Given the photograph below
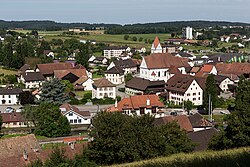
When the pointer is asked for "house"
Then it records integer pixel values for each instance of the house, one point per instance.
(49, 53)
(185, 55)
(182, 88)
(9, 96)
(103, 88)
(128, 65)
(223, 82)
(14, 120)
(234, 69)
(156, 46)
(206, 70)
(227, 57)
(115, 75)
(169, 48)
(157, 66)
(115, 51)
(143, 86)
(75, 116)
(139, 105)
(199, 122)
(29, 77)
(94, 61)
(202, 138)
(194, 70)
(181, 120)
(47, 70)
(175, 41)
(225, 38)
(80, 78)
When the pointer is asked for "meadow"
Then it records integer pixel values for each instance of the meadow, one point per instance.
(227, 158)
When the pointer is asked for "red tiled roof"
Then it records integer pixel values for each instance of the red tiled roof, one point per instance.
(135, 102)
(204, 70)
(49, 68)
(12, 117)
(103, 82)
(182, 121)
(233, 68)
(69, 107)
(165, 60)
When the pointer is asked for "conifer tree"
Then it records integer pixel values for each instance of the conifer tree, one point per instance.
(212, 91)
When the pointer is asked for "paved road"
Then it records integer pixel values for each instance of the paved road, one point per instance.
(121, 94)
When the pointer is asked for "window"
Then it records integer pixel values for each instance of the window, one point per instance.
(199, 93)
(3, 96)
(110, 94)
(79, 121)
(14, 123)
(194, 99)
(165, 73)
(188, 94)
(20, 123)
(194, 94)
(110, 88)
(142, 111)
(153, 109)
(75, 120)
(9, 101)
(100, 94)
(9, 96)
(70, 114)
(199, 98)
(159, 74)
(71, 121)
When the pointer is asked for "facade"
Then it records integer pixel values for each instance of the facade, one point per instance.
(223, 82)
(31, 79)
(75, 116)
(157, 66)
(103, 88)
(10, 96)
(138, 105)
(188, 32)
(114, 51)
(115, 75)
(143, 86)
(182, 88)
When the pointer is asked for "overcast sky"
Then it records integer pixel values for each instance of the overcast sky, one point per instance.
(125, 11)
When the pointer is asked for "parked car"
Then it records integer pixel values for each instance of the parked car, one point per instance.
(9, 109)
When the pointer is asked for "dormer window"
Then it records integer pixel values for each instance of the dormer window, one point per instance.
(70, 114)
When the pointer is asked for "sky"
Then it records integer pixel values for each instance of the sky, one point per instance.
(125, 11)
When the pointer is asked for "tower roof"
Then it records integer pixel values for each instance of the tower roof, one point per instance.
(156, 42)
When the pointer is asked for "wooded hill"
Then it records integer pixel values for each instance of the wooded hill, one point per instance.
(145, 28)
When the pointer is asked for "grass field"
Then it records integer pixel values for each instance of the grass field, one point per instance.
(7, 72)
(230, 158)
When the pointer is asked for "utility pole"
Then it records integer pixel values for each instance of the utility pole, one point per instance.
(209, 106)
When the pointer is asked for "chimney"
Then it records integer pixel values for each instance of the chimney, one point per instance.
(25, 155)
(148, 102)
(116, 103)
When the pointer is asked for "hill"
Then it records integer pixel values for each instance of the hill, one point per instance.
(233, 157)
(146, 28)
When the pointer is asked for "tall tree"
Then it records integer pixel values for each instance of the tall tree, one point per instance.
(53, 91)
(47, 119)
(84, 55)
(211, 90)
(8, 55)
(237, 131)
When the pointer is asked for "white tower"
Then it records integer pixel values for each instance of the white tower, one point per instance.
(189, 33)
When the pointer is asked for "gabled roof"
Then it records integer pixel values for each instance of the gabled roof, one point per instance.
(142, 84)
(135, 102)
(181, 120)
(24, 68)
(115, 70)
(156, 42)
(202, 138)
(127, 63)
(199, 121)
(220, 78)
(174, 70)
(204, 70)
(10, 91)
(195, 69)
(49, 68)
(165, 60)
(33, 76)
(12, 117)
(103, 82)
(184, 54)
(179, 83)
(77, 72)
(70, 108)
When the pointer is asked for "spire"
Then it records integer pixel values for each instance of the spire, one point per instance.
(156, 42)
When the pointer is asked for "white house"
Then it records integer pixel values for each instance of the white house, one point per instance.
(207, 69)
(127, 65)
(31, 79)
(75, 116)
(14, 120)
(182, 88)
(157, 66)
(103, 88)
(9, 96)
(115, 51)
(185, 55)
(115, 75)
(94, 61)
(156, 46)
(225, 39)
(223, 82)
(139, 105)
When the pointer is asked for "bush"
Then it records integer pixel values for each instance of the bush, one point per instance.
(103, 101)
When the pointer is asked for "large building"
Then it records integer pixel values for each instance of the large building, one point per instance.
(103, 88)
(115, 51)
(158, 66)
(188, 32)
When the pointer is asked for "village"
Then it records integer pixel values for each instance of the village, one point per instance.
(194, 88)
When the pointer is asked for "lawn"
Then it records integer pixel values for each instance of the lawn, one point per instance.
(217, 118)
(7, 72)
(11, 135)
(95, 75)
(82, 93)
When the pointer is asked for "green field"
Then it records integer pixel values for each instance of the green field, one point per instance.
(234, 157)
(105, 38)
(7, 72)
